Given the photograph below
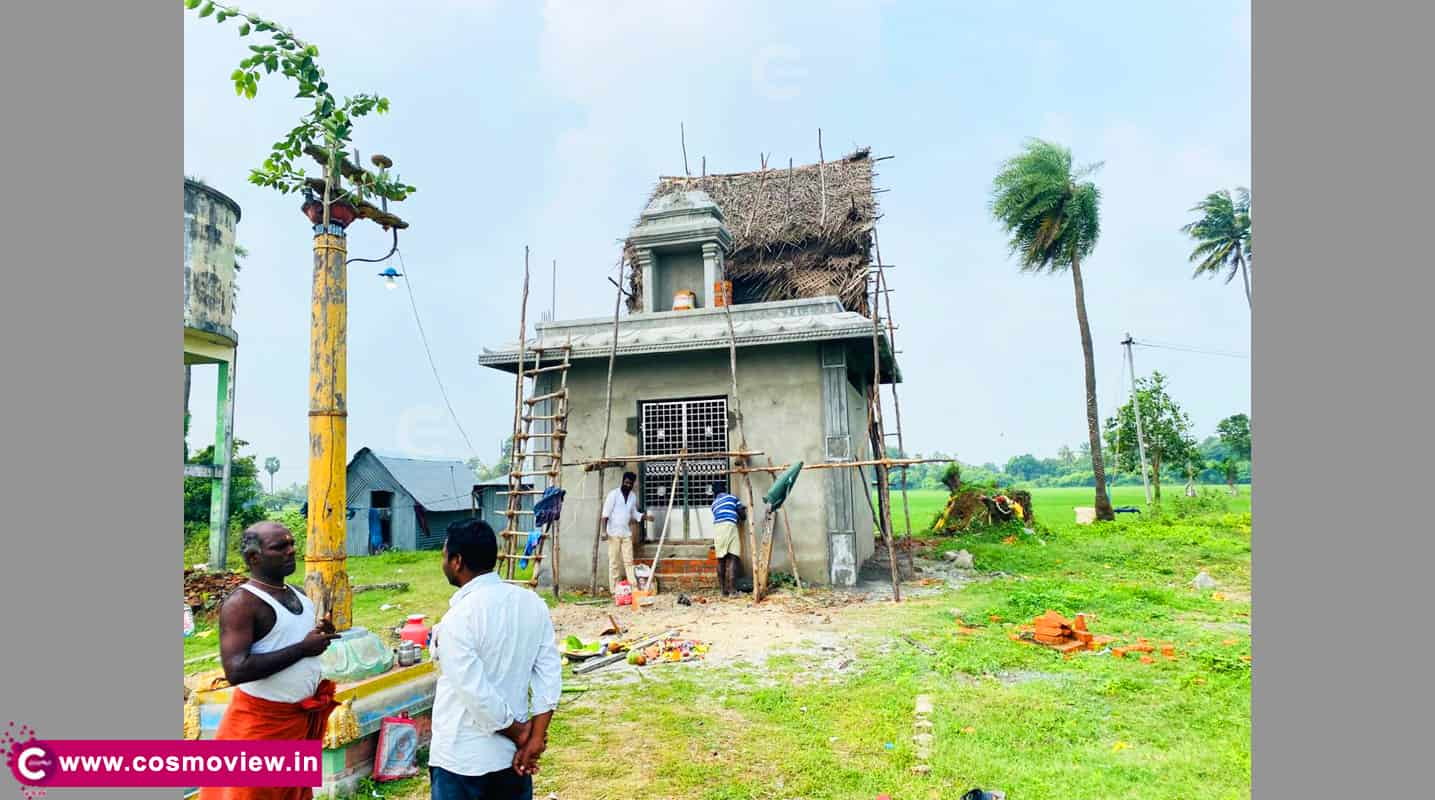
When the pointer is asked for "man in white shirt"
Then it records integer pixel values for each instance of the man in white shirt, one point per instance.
(620, 510)
(493, 645)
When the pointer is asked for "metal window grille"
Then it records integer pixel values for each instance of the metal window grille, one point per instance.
(667, 427)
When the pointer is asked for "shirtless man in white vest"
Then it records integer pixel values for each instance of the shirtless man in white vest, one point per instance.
(269, 646)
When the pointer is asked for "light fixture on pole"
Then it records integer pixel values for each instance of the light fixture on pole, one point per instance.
(389, 276)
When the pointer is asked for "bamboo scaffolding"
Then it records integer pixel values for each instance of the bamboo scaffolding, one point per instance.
(621, 461)
(607, 424)
(759, 580)
(870, 462)
(667, 520)
(515, 466)
(886, 295)
(879, 446)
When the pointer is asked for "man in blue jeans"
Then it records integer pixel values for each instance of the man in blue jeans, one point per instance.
(493, 645)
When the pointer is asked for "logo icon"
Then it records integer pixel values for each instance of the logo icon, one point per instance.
(30, 761)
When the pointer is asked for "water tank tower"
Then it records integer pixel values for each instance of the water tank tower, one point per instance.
(210, 219)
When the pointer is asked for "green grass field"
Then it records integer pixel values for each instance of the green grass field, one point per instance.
(1052, 505)
(1009, 715)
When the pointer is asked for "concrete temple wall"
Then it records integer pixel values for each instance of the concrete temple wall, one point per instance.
(782, 403)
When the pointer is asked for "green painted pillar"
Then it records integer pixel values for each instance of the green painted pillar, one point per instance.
(219, 484)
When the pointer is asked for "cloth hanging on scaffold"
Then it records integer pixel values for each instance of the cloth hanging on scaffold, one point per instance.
(781, 487)
(549, 507)
(530, 545)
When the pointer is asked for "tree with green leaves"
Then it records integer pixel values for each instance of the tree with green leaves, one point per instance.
(1232, 471)
(271, 466)
(1223, 236)
(327, 128)
(498, 470)
(1052, 216)
(1165, 429)
(1066, 456)
(244, 489)
(1235, 433)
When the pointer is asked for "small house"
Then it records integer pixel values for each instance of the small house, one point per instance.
(408, 503)
(795, 246)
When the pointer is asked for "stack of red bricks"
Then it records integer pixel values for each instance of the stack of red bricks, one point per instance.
(685, 573)
(1066, 636)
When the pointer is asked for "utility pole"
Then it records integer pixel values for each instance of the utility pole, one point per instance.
(1136, 411)
(326, 579)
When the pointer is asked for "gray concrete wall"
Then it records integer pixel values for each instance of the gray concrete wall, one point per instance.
(782, 406)
(862, 520)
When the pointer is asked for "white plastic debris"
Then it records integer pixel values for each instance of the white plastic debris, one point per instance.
(1203, 581)
(960, 559)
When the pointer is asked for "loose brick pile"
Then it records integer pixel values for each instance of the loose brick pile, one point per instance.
(204, 591)
(1070, 636)
(1061, 634)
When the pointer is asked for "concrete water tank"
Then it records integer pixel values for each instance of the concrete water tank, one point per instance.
(209, 222)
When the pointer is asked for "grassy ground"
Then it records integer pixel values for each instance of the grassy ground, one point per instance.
(1008, 715)
(1052, 505)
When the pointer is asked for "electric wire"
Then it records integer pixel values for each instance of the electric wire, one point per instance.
(1186, 349)
(408, 285)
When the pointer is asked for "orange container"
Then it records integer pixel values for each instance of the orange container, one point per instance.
(722, 294)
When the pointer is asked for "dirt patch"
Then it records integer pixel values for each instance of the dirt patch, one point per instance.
(820, 626)
(736, 629)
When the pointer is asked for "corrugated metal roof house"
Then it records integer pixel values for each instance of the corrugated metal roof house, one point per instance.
(408, 503)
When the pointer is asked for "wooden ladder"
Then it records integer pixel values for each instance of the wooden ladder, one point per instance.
(519, 520)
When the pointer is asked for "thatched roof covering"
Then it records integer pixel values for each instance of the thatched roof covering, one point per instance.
(786, 245)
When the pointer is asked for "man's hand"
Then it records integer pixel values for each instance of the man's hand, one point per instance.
(525, 761)
(647, 516)
(317, 640)
(517, 733)
(326, 623)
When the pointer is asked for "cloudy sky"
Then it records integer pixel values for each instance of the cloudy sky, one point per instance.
(546, 125)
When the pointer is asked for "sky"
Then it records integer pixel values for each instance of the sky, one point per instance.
(547, 124)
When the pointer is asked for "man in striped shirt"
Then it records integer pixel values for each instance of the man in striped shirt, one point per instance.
(727, 510)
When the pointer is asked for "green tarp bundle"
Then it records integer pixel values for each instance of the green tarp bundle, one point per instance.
(781, 487)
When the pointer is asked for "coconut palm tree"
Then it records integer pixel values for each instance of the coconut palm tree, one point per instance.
(271, 466)
(1223, 236)
(1052, 216)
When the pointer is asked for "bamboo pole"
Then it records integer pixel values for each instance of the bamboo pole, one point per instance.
(822, 179)
(617, 461)
(757, 587)
(871, 462)
(886, 296)
(879, 448)
(667, 520)
(607, 424)
(557, 441)
(515, 457)
(791, 552)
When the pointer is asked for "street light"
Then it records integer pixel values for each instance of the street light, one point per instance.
(389, 275)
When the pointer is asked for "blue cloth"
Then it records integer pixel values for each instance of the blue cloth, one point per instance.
(376, 531)
(725, 508)
(530, 545)
(549, 506)
(505, 784)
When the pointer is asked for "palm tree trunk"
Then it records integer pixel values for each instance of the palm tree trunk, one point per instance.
(1093, 424)
(1156, 474)
(1245, 278)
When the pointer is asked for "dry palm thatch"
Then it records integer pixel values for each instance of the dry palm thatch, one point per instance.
(787, 242)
